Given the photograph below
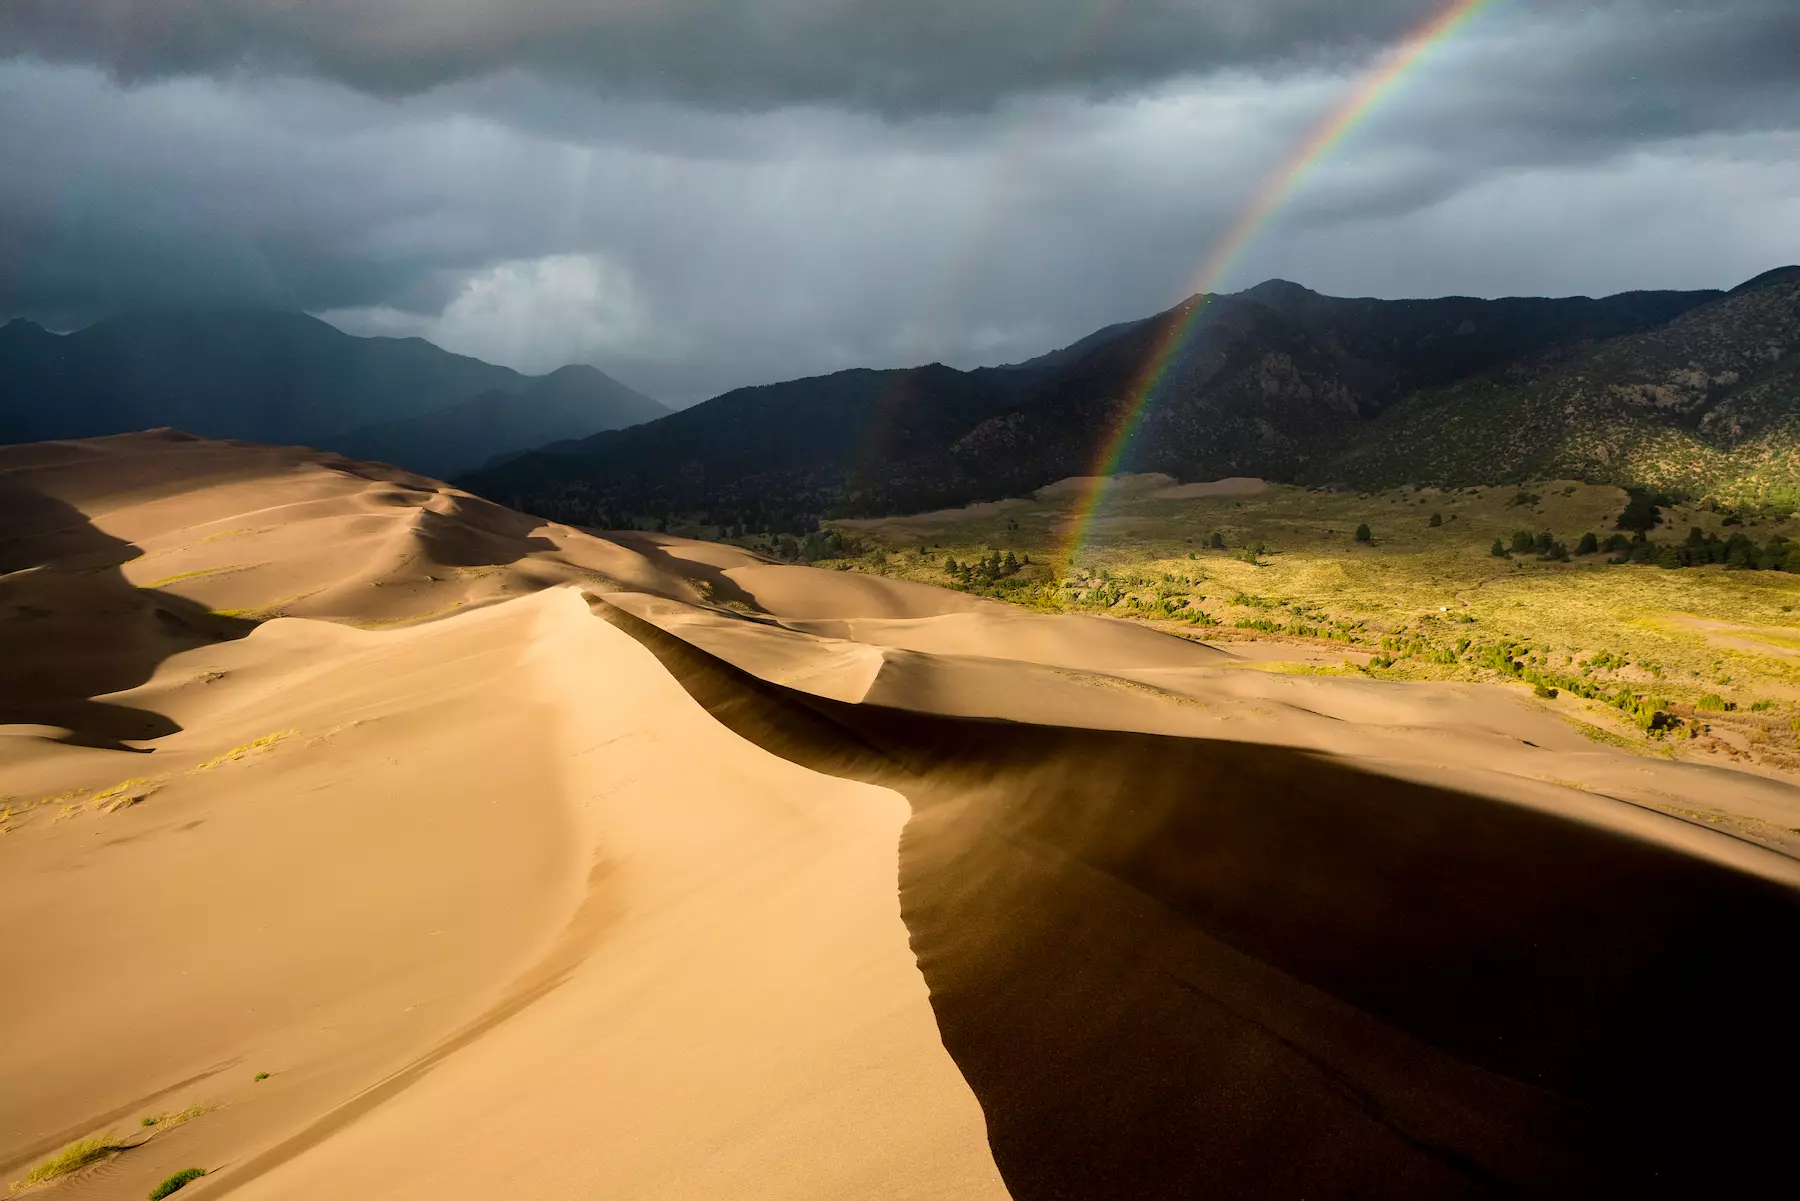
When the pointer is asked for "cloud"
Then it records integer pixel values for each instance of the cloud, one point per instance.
(872, 55)
(912, 56)
(535, 315)
(532, 213)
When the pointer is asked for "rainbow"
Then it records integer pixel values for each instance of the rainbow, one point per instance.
(1281, 185)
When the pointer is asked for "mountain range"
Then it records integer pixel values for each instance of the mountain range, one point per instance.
(1695, 393)
(287, 378)
(1692, 394)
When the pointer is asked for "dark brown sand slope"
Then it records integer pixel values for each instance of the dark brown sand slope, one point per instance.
(1185, 968)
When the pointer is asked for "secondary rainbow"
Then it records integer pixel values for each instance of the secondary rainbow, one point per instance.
(1280, 186)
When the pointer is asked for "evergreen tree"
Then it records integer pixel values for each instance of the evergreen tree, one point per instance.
(1499, 550)
(1522, 542)
(1217, 541)
(1437, 519)
(1588, 544)
(1364, 534)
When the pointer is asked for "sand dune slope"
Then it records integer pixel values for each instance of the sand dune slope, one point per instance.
(496, 906)
(1175, 967)
(531, 862)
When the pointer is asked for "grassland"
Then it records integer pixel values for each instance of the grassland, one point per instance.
(1715, 651)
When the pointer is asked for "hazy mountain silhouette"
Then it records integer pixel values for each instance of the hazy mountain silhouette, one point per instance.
(1278, 381)
(570, 402)
(281, 377)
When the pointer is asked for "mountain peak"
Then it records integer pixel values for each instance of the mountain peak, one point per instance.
(1278, 288)
(575, 371)
(1779, 275)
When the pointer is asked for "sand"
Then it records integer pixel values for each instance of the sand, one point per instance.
(538, 862)
(1236, 485)
(499, 909)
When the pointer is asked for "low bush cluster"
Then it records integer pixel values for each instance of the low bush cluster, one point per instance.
(1739, 552)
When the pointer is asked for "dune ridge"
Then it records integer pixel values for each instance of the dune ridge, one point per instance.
(535, 861)
(1335, 985)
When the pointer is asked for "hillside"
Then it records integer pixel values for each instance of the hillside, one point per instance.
(287, 378)
(1277, 381)
(1708, 405)
(571, 402)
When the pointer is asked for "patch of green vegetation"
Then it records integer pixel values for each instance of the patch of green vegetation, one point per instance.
(175, 1183)
(1426, 603)
(73, 1158)
(260, 1077)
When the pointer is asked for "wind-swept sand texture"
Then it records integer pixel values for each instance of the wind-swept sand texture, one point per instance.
(536, 863)
(500, 909)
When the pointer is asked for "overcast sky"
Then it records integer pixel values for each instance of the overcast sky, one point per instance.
(695, 195)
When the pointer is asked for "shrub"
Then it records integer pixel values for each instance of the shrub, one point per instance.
(1712, 702)
(1437, 519)
(179, 1180)
(72, 1158)
(1588, 545)
(1217, 541)
(1522, 542)
(1364, 534)
(1545, 691)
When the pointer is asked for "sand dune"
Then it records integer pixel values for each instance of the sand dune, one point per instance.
(533, 862)
(500, 842)
(1176, 967)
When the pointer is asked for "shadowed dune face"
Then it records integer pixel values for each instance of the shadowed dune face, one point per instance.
(1180, 967)
(74, 628)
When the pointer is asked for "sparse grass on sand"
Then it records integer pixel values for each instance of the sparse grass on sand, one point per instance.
(124, 794)
(1426, 598)
(201, 573)
(253, 747)
(70, 1159)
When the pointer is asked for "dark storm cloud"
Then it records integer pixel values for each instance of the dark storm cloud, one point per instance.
(850, 184)
(894, 56)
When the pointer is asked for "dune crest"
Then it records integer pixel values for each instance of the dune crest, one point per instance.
(371, 839)
(497, 908)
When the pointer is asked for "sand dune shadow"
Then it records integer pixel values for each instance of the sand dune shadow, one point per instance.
(1175, 967)
(73, 628)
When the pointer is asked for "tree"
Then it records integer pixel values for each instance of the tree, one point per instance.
(1642, 512)
(1217, 541)
(1437, 519)
(1543, 542)
(1522, 542)
(1588, 544)
(1499, 551)
(1364, 534)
